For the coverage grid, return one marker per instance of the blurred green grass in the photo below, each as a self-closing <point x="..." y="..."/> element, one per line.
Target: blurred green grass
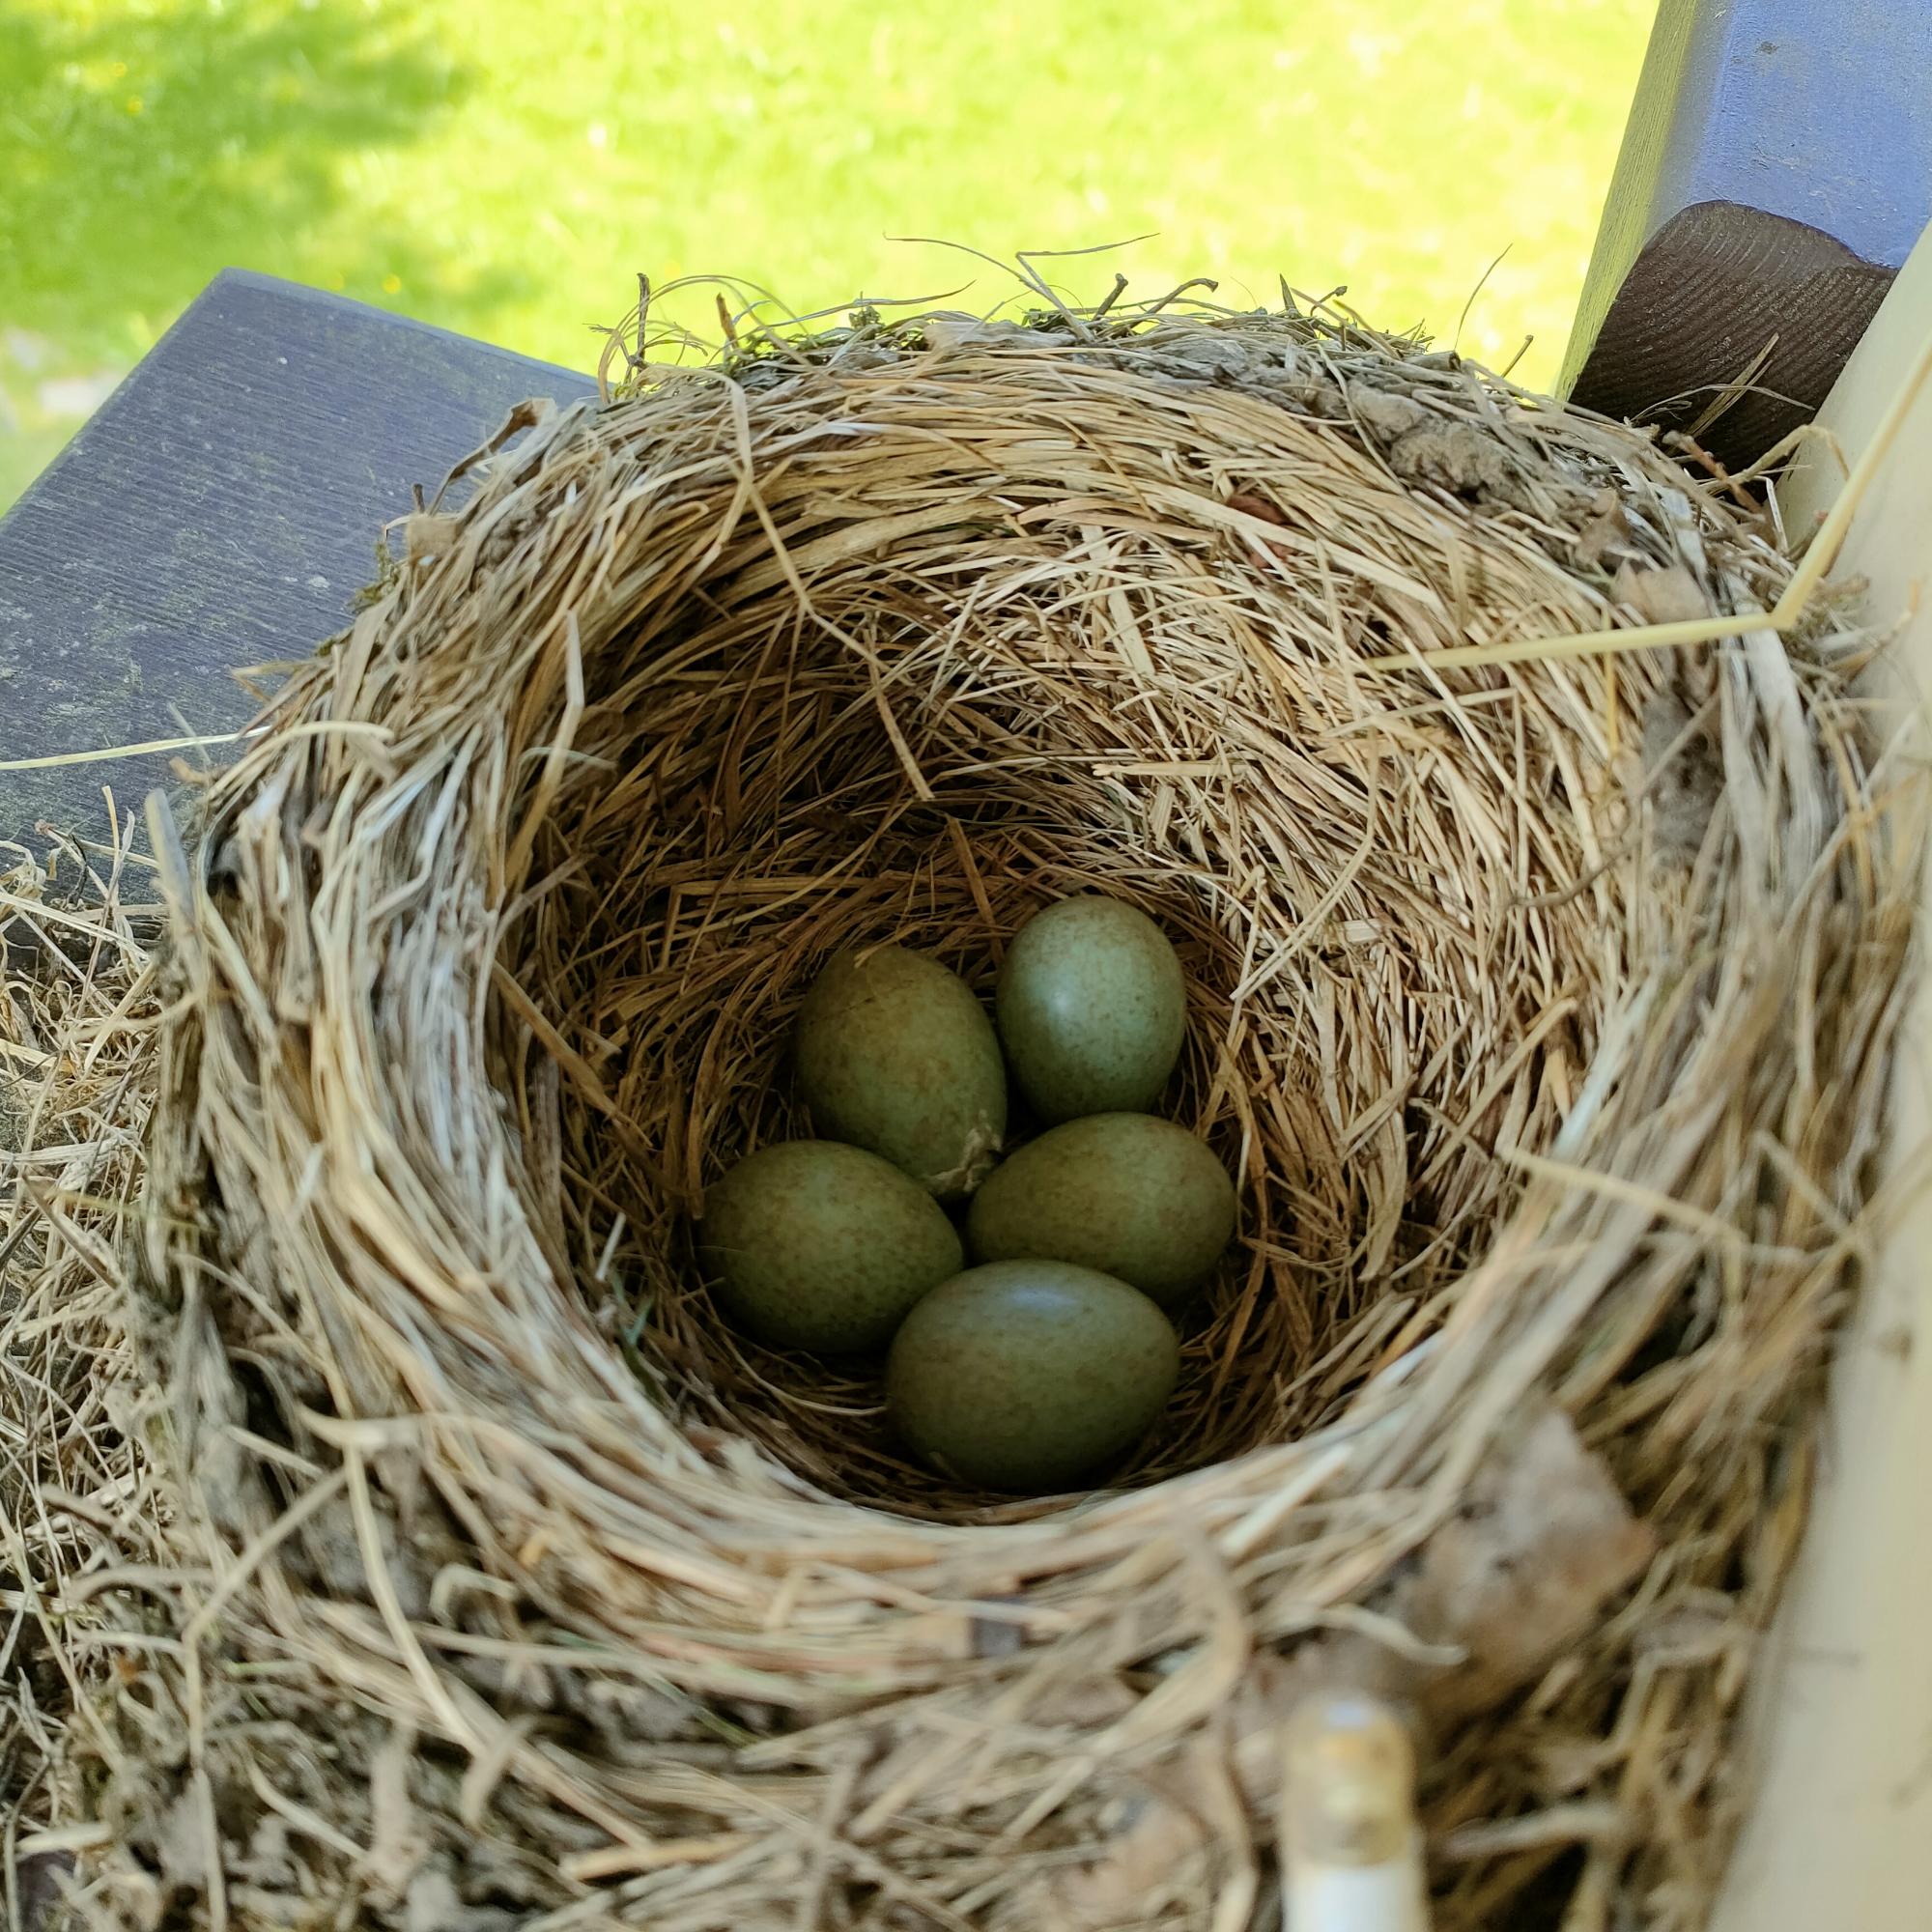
<point x="504" y="167"/>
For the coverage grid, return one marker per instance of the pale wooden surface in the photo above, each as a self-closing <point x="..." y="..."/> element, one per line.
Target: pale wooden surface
<point x="1841" y="1834"/>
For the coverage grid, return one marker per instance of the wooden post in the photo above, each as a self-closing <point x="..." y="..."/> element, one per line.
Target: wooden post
<point x="1776" y="173"/>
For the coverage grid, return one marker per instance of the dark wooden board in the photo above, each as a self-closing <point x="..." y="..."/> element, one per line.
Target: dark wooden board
<point x="1776" y="173"/>
<point x="220" y="510"/>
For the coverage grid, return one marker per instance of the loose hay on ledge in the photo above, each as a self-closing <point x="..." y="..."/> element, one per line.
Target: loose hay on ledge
<point x="425" y="1548"/>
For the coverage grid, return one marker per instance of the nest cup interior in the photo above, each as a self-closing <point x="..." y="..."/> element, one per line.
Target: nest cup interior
<point x="996" y="668"/>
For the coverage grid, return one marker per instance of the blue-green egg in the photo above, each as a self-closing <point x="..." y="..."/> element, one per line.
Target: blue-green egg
<point x="1029" y="1375"/>
<point x="1091" y="1006"/>
<point x="1129" y="1193"/>
<point x="820" y="1246"/>
<point x="896" y="1054"/>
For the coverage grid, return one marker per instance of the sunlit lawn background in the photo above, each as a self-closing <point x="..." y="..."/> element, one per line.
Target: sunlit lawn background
<point x="504" y="167"/>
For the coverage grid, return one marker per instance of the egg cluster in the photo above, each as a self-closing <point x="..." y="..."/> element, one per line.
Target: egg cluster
<point x="1052" y="1355"/>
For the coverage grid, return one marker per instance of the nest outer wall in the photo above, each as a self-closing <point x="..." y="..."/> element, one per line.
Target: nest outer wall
<point x="1542" y="1012"/>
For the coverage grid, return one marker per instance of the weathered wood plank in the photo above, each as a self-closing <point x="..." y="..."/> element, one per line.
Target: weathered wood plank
<point x="220" y="510"/>
<point x="1776" y="173"/>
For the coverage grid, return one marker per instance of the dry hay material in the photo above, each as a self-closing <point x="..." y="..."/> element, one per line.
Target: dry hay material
<point x="1542" y="1012"/>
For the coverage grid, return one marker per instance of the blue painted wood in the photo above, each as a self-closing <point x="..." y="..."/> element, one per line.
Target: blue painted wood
<point x="1813" y="109"/>
<point x="1776" y="173"/>
<point x="220" y="510"/>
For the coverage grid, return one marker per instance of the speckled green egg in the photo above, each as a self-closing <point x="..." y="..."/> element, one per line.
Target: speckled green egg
<point x="1092" y="1007"/>
<point x="1028" y="1376"/>
<point x="896" y="1054"/>
<point x="1127" y="1194"/>
<point x="814" y="1245"/>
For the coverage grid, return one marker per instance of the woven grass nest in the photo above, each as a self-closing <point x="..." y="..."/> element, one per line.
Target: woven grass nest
<point x="1540" y="1000"/>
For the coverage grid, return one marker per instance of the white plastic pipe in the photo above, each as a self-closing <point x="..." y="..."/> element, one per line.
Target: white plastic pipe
<point x="1351" y="1845"/>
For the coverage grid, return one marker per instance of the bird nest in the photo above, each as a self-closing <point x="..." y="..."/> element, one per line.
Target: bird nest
<point x="474" y="1573"/>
